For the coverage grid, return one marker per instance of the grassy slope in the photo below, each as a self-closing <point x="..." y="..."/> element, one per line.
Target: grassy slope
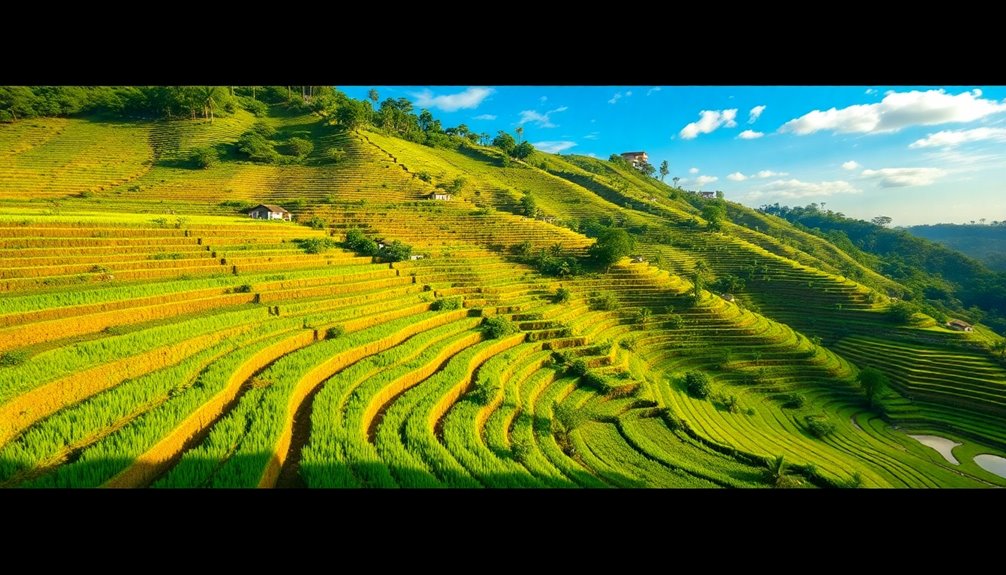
<point x="755" y="357"/>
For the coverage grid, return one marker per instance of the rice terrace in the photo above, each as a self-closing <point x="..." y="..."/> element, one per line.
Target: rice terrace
<point x="303" y="286"/>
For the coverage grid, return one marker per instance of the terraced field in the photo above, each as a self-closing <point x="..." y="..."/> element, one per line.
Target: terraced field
<point x="149" y="339"/>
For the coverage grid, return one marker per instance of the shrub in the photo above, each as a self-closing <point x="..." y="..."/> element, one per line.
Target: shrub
<point x="317" y="245"/>
<point x="697" y="384"/>
<point x="579" y="367"/>
<point x="628" y="344"/>
<point x="396" y="251"/>
<point x="424" y="176"/>
<point x="244" y="288"/>
<point x="13" y="358"/>
<point x="794" y="401"/>
<point x="819" y="426"/>
<point x="316" y="222"/>
<point x="675" y="321"/>
<point x="562" y="295"/>
<point x="334" y="332"/>
<point x="336" y="155"/>
<point x="204" y="158"/>
<point x="497" y="326"/>
<point x="606" y="302"/>
<point x="299" y="147"/>
<point x="446" y="304"/>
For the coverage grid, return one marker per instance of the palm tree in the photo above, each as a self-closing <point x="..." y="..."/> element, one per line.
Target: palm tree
<point x="520" y="132"/>
<point x="208" y="96"/>
<point x="776" y="473"/>
<point x="675" y="180"/>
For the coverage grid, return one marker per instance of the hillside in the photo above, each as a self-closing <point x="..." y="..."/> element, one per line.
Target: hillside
<point x="986" y="244"/>
<point x="152" y="335"/>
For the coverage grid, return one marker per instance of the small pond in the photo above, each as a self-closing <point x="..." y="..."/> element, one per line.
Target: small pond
<point x="941" y="444"/>
<point x="992" y="463"/>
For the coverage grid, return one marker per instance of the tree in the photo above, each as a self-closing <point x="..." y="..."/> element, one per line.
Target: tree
<point x="675" y="180"/>
<point x="204" y="157"/>
<point x="697" y="384"/>
<point x="714" y="213"/>
<point x="612" y="245"/>
<point x="352" y="115"/>
<point x="881" y="221"/>
<point x="425" y="120"/>
<point x="373" y="95"/>
<point x="528" y="205"/>
<point x="505" y="142"/>
<point x="776" y="472"/>
<point x="647" y="168"/>
<point x="874" y="384"/>
<point x="208" y="95"/>
<point x="520" y="132"/>
<point x="523" y="151"/>
<point x="664" y="170"/>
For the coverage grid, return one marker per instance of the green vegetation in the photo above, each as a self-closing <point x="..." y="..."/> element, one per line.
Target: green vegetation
<point x="153" y="334"/>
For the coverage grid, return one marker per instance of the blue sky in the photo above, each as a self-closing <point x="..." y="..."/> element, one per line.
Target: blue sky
<point x="919" y="154"/>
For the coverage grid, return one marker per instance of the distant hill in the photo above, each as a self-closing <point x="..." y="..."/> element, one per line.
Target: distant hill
<point x="984" y="243"/>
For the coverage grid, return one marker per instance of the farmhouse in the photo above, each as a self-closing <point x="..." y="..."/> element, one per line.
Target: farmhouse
<point x="442" y="196"/>
<point x="707" y="195"/>
<point x="269" y="212"/>
<point x="960" y="325"/>
<point x="635" y="158"/>
<point x="638" y="259"/>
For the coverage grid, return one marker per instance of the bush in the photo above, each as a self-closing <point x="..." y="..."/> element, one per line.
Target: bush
<point x="336" y="155"/>
<point x="204" y="157"/>
<point x="579" y="368"/>
<point x="244" y="288"/>
<point x="819" y="426"/>
<point x="396" y="251"/>
<point x="902" y="312"/>
<point x="697" y="384"/>
<point x="424" y="176"/>
<point x="258" y="109"/>
<point x="334" y="332"/>
<point x="446" y="304"/>
<point x="13" y="358"/>
<point x="317" y="245"/>
<point x="794" y="401"/>
<point x="562" y="295"/>
<point x="498" y="326"/>
<point x="299" y="147"/>
<point x="606" y="302"/>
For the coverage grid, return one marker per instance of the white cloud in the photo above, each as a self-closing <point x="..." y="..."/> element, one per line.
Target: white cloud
<point x="737" y="177"/>
<point x="755" y="113"/>
<point x="615" y="98"/>
<point x="591" y="136"/>
<point x="543" y="99"/>
<point x="871" y="91"/>
<point x="554" y="147"/>
<point x="900" y="177"/>
<point x="629" y="93"/>
<point x="797" y="189"/>
<point x="770" y="174"/>
<point x="653" y="89"/>
<point x="897" y="110"/>
<point x="951" y="138"/>
<point x="703" y="180"/>
<point x="750" y="135"/>
<point x="592" y="154"/>
<point x="485" y="117"/>
<point x="709" y="121"/>
<point x="542" y="120"/>
<point x="850" y="165"/>
<point x="693" y="170"/>
<point x="470" y="98"/>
